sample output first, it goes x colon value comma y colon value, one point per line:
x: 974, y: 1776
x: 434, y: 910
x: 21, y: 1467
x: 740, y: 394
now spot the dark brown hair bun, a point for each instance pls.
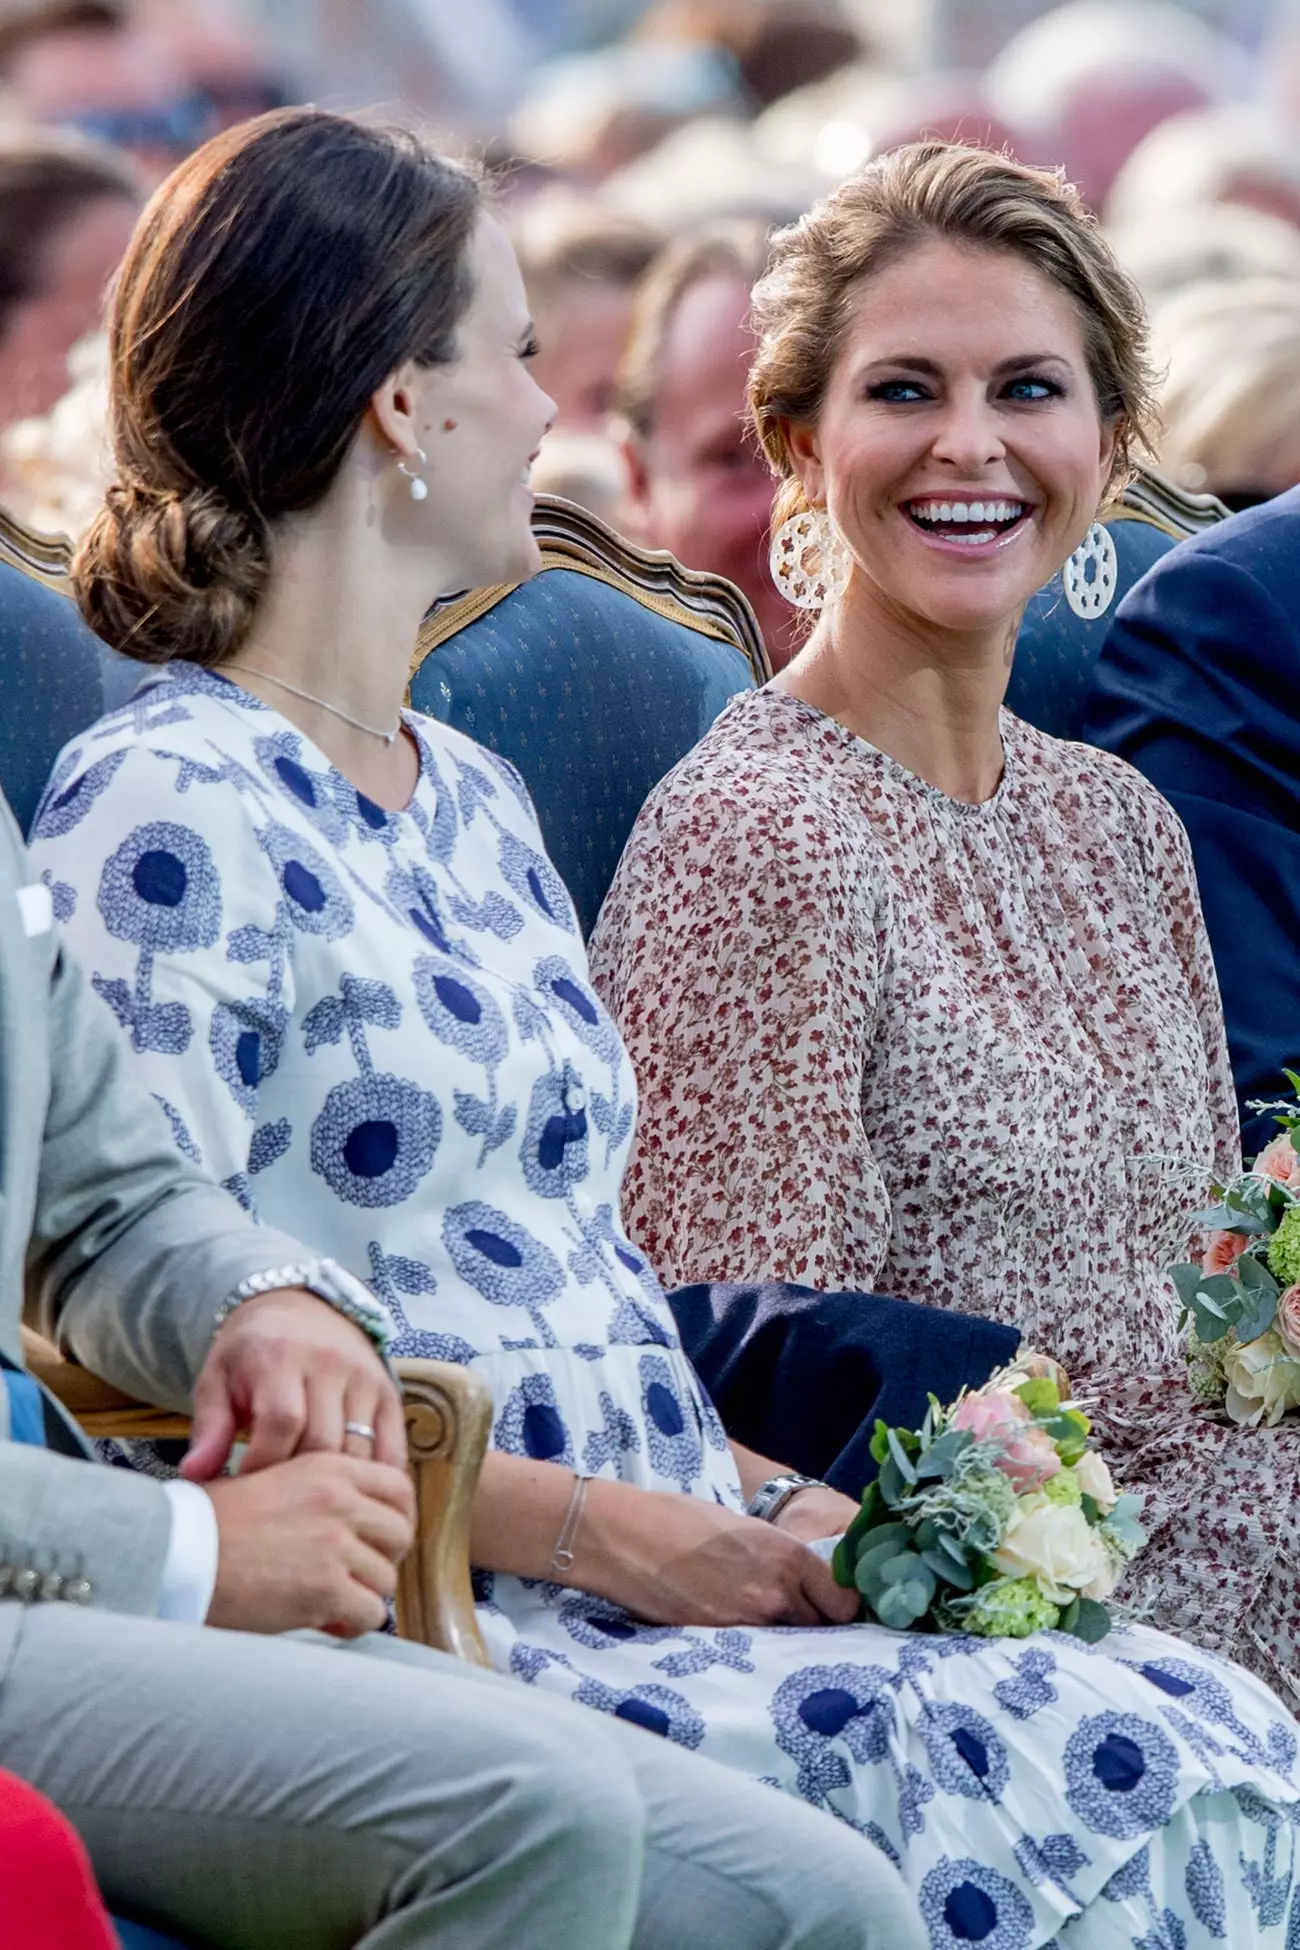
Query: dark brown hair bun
x: 276, y: 279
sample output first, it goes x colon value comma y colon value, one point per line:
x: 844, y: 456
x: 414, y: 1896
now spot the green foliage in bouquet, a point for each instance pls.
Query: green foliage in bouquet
x: 995, y: 1518
x: 1241, y: 1301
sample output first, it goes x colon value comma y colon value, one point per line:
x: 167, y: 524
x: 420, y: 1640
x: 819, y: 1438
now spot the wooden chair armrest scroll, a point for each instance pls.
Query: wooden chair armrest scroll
x: 448, y: 1418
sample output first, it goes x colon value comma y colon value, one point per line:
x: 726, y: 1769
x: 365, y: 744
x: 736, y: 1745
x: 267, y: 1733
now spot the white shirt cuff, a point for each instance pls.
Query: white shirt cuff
x: 190, y: 1569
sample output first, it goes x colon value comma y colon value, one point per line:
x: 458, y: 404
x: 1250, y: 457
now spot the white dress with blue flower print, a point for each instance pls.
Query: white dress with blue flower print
x: 378, y: 1030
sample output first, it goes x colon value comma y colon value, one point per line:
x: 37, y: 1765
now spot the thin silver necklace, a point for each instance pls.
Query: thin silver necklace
x: 389, y: 737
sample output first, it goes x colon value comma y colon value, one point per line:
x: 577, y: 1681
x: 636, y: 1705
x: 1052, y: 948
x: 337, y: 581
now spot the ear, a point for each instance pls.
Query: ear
x: 1110, y: 438
x: 395, y: 414
x: 804, y: 449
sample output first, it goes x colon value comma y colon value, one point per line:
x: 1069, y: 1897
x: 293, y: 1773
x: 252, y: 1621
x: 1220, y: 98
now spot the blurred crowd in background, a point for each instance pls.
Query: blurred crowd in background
x: 644, y: 149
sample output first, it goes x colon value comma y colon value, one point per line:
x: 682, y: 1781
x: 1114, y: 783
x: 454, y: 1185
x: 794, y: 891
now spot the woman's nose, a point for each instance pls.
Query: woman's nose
x: 968, y: 435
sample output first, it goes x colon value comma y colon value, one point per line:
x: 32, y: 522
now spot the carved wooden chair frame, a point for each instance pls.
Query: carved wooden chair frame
x: 571, y: 538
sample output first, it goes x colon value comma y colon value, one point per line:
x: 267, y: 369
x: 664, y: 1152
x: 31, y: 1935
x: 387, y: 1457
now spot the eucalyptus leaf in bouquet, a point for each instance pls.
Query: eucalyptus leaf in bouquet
x: 995, y: 1517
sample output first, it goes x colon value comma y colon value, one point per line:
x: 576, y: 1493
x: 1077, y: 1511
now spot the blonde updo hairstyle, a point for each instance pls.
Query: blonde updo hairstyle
x: 274, y: 282
x: 966, y: 196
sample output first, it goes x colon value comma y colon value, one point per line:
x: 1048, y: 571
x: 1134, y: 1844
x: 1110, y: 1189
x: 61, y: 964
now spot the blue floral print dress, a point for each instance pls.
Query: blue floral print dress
x: 377, y: 1029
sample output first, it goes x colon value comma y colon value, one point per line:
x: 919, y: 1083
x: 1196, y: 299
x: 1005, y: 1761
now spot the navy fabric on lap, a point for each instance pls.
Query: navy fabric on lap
x: 801, y: 1376
x: 1198, y: 685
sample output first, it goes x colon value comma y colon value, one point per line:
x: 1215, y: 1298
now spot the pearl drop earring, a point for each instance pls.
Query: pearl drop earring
x: 418, y: 485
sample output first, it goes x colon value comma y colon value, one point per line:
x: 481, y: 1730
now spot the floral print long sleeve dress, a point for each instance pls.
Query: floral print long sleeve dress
x: 971, y: 1055
x: 378, y: 1029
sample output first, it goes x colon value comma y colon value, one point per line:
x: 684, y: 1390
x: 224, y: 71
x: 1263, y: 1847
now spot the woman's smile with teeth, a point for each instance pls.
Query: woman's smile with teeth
x: 971, y: 522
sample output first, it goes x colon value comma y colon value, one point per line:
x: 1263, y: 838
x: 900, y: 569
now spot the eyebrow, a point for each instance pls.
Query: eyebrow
x: 1007, y: 368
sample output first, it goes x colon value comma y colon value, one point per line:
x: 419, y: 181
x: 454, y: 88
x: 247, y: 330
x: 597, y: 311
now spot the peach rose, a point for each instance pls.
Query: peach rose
x: 1223, y: 1251
x: 1028, y: 1456
x: 1280, y: 1161
x: 1288, y: 1320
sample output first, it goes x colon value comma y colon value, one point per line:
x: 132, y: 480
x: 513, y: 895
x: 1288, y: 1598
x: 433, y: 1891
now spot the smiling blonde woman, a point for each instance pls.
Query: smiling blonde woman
x: 920, y: 1000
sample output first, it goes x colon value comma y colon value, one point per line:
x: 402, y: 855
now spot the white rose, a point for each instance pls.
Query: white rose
x: 1263, y: 1381
x: 1095, y: 1481
x: 1056, y: 1545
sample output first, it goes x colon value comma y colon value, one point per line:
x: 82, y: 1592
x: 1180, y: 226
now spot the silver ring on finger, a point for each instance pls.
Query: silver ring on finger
x: 363, y: 1429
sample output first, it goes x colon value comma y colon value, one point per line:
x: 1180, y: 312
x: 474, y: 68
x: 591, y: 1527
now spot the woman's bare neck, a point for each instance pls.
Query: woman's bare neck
x: 930, y: 698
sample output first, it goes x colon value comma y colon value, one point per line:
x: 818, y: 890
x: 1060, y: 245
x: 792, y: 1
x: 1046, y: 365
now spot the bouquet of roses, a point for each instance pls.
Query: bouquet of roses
x: 1242, y: 1299
x: 994, y: 1517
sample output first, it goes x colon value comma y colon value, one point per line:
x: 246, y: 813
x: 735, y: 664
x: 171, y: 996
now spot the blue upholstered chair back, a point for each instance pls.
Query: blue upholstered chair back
x: 1056, y: 650
x: 56, y: 677
x: 594, y: 679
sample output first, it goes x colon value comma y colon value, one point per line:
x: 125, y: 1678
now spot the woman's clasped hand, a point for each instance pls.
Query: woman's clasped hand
x: 679, y: 1560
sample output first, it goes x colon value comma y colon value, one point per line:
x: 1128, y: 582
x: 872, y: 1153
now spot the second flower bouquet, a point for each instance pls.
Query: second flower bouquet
x: 994, y: 1517
x: 1242, y: 1299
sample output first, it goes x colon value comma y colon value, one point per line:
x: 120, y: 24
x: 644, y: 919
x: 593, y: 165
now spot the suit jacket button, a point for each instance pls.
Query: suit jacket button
x: 77, y: 1591
x: 26, y: 1585
x: 51, y: 1587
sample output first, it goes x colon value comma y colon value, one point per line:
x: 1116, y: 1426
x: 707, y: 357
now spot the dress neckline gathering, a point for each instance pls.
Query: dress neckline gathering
x: 963, y: 809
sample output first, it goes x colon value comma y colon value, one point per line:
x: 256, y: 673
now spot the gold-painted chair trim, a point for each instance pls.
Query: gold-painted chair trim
x: 45, y: 558
x: 1153, y: 498
x: 571, y: 538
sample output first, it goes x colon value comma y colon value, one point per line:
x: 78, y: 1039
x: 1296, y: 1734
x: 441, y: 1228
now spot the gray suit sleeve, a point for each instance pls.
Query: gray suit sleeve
x: 108, y: 1526
x: 132, y: 1248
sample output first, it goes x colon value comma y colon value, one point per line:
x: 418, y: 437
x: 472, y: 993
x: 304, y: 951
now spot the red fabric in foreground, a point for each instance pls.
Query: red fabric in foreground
x: 48, y: 1898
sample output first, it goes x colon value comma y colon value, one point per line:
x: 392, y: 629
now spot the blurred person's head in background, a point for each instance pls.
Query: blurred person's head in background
x: 581, y: 264
x: 1087, y: 81
x: 1230, y: 400
x: 585, y: 468
x: 54, y: 470
x: 1232, y: 154
x: 67, y: 210
x: 151, y: 77
x: 1207, y: 243
x: 777, y: 45
x: 697, y: 484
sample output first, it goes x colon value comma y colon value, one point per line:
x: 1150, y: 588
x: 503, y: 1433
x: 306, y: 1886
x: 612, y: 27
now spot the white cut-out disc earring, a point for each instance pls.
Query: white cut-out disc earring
x: 418, y: 485
x: 1091, y: 595
x: 806, y: 562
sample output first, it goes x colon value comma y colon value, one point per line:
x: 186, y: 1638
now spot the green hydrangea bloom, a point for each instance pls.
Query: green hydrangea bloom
x: 1284, y: 1248
x: 1013, y: 1610
x: 1063, y: 1488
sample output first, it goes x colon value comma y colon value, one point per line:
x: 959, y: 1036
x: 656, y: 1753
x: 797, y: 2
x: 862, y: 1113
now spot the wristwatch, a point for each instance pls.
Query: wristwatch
x: 768, y: 1501
x: 331, y: 1283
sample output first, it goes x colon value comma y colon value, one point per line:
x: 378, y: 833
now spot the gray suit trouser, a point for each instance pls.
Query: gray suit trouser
x: 279, y: 1794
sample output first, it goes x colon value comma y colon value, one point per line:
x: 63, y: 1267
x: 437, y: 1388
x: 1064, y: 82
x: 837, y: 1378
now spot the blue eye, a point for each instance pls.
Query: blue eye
x: 1033, y: 389
x: 897, y: 391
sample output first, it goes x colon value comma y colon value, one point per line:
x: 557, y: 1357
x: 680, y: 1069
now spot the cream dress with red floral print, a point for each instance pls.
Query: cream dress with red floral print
x: 965, y: 1054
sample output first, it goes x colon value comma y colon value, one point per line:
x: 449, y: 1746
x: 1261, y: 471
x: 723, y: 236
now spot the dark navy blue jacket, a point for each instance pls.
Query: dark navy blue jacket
x: 1198, y: 685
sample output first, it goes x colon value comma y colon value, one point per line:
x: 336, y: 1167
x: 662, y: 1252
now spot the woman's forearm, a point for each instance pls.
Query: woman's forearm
x: 519, y: 1512
x: 755, y: 1470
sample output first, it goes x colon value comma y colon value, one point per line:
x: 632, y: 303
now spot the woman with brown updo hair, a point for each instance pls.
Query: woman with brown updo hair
x: 330, y: 931
x: 920, y: 1001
